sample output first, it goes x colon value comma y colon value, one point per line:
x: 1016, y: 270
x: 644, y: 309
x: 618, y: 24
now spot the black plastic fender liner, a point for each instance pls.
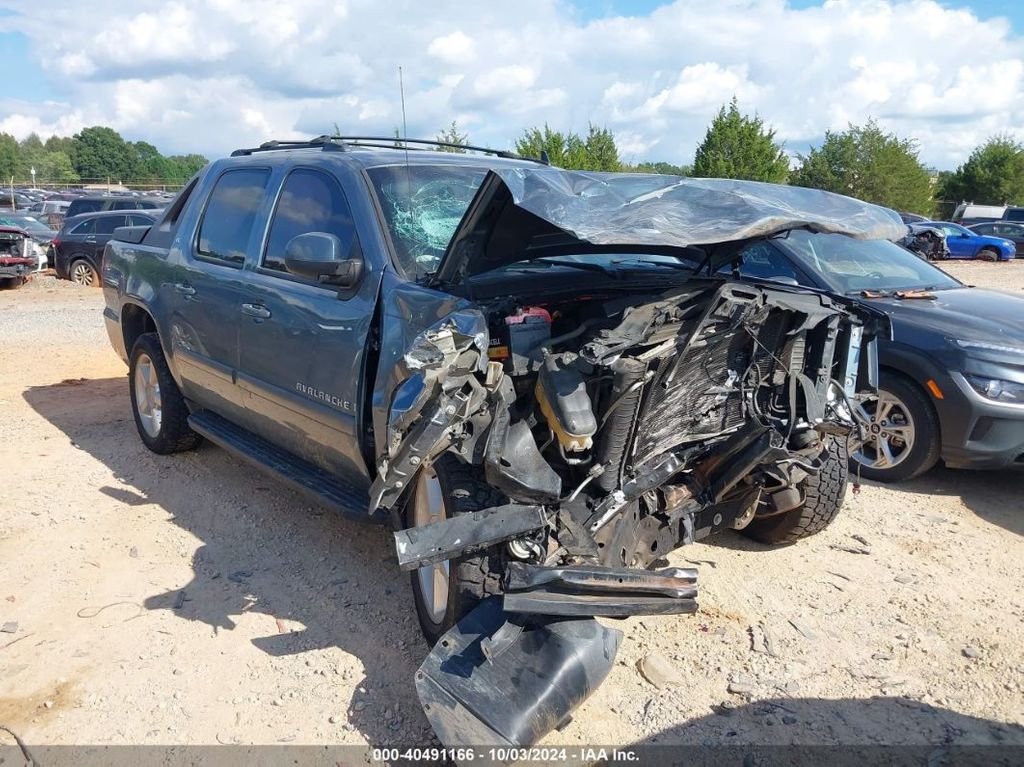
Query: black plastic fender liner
x: 530, y: 685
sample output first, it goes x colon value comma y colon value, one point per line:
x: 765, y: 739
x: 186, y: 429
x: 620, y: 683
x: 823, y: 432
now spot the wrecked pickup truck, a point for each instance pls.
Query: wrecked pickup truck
x: 544, y: 380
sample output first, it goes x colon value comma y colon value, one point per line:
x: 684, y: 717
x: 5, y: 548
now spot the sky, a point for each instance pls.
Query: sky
x: 210, y: 76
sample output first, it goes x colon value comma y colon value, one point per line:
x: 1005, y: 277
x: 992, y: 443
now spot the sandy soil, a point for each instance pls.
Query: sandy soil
x: 191, y: 600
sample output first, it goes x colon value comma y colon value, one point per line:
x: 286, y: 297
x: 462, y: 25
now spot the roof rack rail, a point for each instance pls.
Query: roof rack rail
x: 342, y: 143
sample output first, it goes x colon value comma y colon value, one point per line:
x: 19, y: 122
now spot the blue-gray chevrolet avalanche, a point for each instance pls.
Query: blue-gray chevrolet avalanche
x: 535, y: 375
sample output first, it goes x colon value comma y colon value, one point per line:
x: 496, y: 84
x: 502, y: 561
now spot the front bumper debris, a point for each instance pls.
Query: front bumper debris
x: 502, y: 680
x: 612, y: 592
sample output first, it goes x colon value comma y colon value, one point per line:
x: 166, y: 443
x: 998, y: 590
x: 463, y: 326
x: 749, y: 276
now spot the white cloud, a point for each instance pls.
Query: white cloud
x: 211, y: 75
x: 456, y: 48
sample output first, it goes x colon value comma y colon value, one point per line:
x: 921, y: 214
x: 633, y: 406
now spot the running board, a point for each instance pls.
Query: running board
x: 299, y: 474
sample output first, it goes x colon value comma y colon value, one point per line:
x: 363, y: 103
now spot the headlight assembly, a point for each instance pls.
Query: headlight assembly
x: 996, y: 390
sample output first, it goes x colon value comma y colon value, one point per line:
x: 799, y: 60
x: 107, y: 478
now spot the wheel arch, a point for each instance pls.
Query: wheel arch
x: 135, y: 320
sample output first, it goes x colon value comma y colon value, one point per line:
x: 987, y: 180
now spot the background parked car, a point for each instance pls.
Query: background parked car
x: 94, y: 204
x: 912, y: 218
x: 1006, y: 230
x: 14, y: 200
x: 952, y: 376
x: 40, y: 234
x: 963, y: 243
x: 18, y: 256
x: 78, y: 247
x: 969, y: 213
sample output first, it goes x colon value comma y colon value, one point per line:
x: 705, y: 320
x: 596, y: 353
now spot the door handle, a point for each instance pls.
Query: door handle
x: 256, y: 310
x: 184, y: 288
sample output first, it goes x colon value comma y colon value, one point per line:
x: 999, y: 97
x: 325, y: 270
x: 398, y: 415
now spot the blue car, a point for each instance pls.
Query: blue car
x: 963, y: 243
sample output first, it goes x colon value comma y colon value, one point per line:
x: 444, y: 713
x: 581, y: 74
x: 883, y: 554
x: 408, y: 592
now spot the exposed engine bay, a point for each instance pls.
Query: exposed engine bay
x: 641, y: 423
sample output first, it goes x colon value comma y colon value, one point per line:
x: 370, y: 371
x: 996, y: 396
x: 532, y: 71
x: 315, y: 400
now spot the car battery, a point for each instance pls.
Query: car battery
x: 522, y: 334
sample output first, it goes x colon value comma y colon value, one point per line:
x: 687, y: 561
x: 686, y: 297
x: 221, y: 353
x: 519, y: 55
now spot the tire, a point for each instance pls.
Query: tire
x: 162, y: 419
x: 83, y: 273
x: 823, y: 498
x: 987, y: 254
x: 925, y: 444
x: 470, y: 579
x: 10, y: 283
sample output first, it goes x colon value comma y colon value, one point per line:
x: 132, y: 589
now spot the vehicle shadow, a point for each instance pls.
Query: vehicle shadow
x: 797, y: 731
x: 323, y: 580
x: 992, y: 495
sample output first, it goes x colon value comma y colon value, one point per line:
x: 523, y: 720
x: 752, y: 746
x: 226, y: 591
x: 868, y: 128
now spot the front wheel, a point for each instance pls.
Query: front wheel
x: 446, y: 591
x: 987, y: 254
x: 902, y: 433
x: 823, y: 498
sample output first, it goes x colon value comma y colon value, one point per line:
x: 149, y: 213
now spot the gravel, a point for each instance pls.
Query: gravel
x: 322, y: 623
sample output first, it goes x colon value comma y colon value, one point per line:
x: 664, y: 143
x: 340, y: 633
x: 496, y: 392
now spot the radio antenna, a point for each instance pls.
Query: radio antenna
x: 405, y: 138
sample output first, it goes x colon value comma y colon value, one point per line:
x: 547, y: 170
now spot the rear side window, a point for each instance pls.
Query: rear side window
x: 84, y: 206
x: 311, y: 201
x: 86, y: 227
x: 139, y: 221
x: 230, y: 214
x: 123, y: 205
x: 107, y: 224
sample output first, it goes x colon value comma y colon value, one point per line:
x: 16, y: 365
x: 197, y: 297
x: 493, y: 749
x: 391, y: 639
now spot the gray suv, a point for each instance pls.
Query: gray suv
x: 536, y: 376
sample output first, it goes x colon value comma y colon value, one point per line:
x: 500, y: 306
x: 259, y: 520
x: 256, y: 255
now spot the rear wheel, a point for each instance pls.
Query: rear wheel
x: 82, y: 272
x: 161, y: 415
x: 903, y: 433
x: 446, y: 591
x: 823, y: 498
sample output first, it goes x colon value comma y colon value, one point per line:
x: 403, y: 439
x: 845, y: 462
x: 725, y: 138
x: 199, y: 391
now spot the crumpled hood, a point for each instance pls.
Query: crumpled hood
x: 520, y: 212
x: 966, y: 313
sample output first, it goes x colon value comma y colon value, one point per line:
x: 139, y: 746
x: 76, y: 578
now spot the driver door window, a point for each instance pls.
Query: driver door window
x: 310, y: 201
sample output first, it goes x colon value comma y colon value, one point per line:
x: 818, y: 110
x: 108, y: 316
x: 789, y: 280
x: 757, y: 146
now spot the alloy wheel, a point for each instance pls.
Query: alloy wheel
x: 428, y: 509
x: 147, y: 395
x: 83, y: 274
x: 890, y: 432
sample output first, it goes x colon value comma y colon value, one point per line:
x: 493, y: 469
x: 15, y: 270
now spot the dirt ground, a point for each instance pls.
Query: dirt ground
x: 192, y: 600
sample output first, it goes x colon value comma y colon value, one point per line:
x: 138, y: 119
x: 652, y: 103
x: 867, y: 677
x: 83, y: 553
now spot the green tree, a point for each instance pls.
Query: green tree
x: 739, y: 146
x: 99, y: 153
x: 992, y: 175
x: 151, y: 165
x: 452, y: 135
x: 180, y: 168
x: 10, y: 153
x: 664, y: 168
x: 568, y: 150
x: 870, y: 164
x: 56, y: 168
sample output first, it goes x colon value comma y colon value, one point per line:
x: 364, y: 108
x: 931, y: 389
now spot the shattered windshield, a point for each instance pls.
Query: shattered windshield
x: 423, y: 205
x: 850, y: 266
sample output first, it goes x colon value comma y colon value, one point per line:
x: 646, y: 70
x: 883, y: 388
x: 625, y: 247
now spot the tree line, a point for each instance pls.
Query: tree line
x: 864, y: 161
x: 94, y: 155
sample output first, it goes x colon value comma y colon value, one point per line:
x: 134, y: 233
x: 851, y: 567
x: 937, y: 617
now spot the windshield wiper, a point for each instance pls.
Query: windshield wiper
x: 548, y: 261
x: 647, y: 262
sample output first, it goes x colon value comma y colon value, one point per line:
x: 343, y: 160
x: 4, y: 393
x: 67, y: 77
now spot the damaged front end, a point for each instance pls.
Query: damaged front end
x: 664, y: 421
x: 618, y: 426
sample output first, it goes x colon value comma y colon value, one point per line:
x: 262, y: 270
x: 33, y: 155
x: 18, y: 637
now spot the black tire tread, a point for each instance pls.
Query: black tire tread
x: 175, y: 435
x: 823, y: 498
